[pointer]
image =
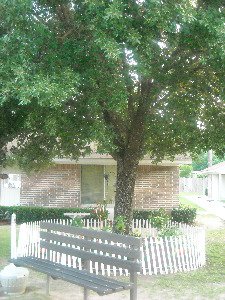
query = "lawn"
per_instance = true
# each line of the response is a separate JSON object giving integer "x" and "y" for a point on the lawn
{"x": 4, "y": 244}
{"x": 186, "y": 202}
{"x": 204, "y": 283}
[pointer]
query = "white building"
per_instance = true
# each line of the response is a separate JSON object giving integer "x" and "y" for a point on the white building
{"x": 216, "y": 181}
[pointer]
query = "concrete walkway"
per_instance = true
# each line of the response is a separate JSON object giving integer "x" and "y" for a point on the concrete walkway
{"x": 215, "y": 208}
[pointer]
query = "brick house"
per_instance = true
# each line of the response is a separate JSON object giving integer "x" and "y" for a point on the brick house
{"x": 92, "y": 179}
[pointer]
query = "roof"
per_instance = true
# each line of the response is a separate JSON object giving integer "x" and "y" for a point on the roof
{"x": 215, "y": 169}
{"x": 106, "y": 159}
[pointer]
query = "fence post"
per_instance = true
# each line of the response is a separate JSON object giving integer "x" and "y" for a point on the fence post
{"x": 13, "y": 236}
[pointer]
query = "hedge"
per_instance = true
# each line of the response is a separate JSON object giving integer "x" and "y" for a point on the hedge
{"x": 184, "y": 214}
{"x": 35, "y": 213}
{"x": 148, "y": 214}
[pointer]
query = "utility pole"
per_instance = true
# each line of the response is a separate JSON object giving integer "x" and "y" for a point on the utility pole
{"x": 210, "y": 156}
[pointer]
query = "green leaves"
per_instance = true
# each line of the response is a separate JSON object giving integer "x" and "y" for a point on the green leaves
{"x": 118, "y": 72}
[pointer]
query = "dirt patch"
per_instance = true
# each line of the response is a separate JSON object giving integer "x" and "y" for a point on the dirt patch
{"x": 63, "y": 290}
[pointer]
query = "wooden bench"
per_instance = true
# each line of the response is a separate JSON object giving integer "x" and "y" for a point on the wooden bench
{"x": 66, "y": 241}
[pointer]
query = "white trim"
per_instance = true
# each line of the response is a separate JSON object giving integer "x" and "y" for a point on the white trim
{"x": 110, "y": 161}
{"x": 104, "y": 182}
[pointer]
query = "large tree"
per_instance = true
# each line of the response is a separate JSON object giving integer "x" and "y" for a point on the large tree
{"x": 137, "y": 77}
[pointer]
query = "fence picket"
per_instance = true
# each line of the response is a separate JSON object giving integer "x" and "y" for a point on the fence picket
{"x": 146, "y": 264}
{"x": 152, "y": 254}
{"x": 177, "y": 249}
{"x": 159, "y": 256}
{"x": 172, "y": 253}
{"x": 186, "y": 257}
{"x": 162, "y": 244}
{"x": 181, "y": 247}
{"x": 168, "y": 254}
{"x": 192, "y": 252}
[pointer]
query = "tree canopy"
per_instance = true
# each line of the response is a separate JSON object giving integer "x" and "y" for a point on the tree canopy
{"x": 138, "y": 77}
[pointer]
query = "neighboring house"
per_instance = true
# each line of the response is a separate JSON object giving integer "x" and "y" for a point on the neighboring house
{"x": 92, "y": 179}
{"x": 216, "y": 181}
{"x": 10, "y": 190}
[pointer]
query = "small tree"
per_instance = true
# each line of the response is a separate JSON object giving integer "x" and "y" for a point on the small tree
{"x": 186, "y": 171}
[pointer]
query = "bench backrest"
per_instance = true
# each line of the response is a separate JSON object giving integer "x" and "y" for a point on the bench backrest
{"x": 112, "y": 249}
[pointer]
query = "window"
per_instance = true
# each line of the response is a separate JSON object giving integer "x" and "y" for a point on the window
{"x": 97, "y": 183}
{"x": 92, "y": 184}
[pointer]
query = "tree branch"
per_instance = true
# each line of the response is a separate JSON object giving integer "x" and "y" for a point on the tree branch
{"x": 115, "y": 123}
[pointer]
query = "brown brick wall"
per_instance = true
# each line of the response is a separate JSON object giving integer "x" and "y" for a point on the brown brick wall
{"x": 156, "y": 187}
{"x": 59, "y": 186}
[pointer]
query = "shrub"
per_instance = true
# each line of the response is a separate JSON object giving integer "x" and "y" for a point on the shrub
{"x": 77, "y": 222}
{"x": 169, "y": 231}
{"x": 35, "y": 213}
{"x": 159, "y": 218}
{"x": 141, "y": 214}
{"x": 184, "y": 214}
{"x": 120, "y": 224}
{"x": 100, "y": 210}
{"x": 185, "y": 171}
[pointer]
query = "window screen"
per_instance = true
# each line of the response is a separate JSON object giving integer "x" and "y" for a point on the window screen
{"x": 92, "y": 184}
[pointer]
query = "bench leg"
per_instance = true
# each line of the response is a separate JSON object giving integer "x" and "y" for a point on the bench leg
{"x": 133, "y": 291}
{"x": 85, "y": 294}
{"x": 48, "y": 285}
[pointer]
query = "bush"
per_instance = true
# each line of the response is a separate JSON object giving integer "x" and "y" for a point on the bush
{"x": 100, "y": 211}
{"x": 185, "y": 171}
{"x": 141, "y": 214}
{"x": 35, "y": 213}
{"x": 184, "y": 214}
{"x": 158, "y": 217}
{"x": 120, "y": 225}
{"x": 169, "y": 231}
{"x": 147, "y": 214}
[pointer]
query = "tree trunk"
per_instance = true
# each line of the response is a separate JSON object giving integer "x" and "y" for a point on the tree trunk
{"x": 126, "y": 176}
{"x": 129, "y": 138}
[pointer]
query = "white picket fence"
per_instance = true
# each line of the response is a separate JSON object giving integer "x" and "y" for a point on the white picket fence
{"x": 159, "y": 255}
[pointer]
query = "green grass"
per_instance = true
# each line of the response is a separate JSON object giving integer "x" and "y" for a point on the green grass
{"x": 4, "y": 245}
{"x": 186, "y": 202}
{"x": 4, "y": 242}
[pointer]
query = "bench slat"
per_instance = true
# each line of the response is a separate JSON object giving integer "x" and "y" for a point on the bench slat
{"x": 105, "y": 279}
{"x": 97, "y": 283}
{"x": 111, "y": 249}
{"x": 86, "y": 255}
{"x": 90, "y": 233}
